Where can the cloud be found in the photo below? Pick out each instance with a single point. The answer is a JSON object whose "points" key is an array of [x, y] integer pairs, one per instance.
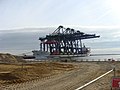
{"points": [[27, 30], [107, 33], [21, 13]]}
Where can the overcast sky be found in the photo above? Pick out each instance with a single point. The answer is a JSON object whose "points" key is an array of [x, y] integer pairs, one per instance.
{"points": [[41, 13]]}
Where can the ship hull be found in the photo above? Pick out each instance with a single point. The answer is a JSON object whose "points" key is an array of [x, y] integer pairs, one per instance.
{"points": [[40, 55]]}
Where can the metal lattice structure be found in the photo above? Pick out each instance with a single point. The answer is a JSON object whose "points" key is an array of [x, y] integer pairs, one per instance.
{"points": [[65, 41]]}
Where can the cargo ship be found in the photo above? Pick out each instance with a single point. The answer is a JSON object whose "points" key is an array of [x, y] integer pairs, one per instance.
{"points": [[63, 42]]}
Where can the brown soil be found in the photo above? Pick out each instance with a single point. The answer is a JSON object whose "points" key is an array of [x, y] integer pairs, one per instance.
{"points": [[18, 73], [77, 75], [8, 58], [54, 75], [60, 76]]}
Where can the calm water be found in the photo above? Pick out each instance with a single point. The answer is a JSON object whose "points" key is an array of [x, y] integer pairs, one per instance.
{"points": [[99, 58], [22, 42]]}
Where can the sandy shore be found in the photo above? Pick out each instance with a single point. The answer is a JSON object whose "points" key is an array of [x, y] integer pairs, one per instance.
{"points": [[61, 76]]}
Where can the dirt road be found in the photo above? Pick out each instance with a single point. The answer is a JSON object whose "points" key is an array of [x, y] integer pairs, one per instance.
{"points": [[70, 80]]}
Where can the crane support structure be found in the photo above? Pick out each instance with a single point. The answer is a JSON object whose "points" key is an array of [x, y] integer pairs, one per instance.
{"points": [[65, 41]]}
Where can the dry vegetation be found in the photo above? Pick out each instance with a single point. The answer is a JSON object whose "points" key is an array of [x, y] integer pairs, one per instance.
{"points": [[14, 69], [68, 75], [8, 58], [17, 73]]}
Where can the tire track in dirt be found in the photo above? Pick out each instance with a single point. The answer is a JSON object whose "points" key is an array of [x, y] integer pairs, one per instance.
{"points": [[65, 81], [105, 82]]}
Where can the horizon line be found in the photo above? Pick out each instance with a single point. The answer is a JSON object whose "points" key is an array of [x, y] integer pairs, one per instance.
{"points": [[66, 26]]}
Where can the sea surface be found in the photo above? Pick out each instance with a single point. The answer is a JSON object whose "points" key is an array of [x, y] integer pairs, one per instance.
{"points": [[20, 42]]}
